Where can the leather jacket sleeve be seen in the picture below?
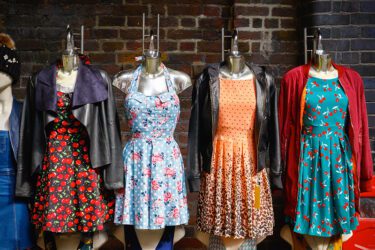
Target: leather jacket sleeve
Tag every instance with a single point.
(114, 172)
(274, 139)
(28, 132)
(194, 161)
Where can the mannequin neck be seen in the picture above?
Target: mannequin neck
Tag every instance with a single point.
(236, 64)
(69, 63)
(6, 100)
(152, 66)
(6, 96)
(322, 62)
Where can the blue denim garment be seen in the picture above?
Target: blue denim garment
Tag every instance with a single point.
(15, 232)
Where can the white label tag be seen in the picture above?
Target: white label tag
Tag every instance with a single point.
(138, 58)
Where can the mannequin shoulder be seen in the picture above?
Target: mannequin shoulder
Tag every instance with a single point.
(123, 79)
(180, 80)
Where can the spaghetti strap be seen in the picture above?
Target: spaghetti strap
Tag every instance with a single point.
(167, 78)
(134, 84)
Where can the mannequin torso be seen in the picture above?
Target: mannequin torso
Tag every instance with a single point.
(6, 100)
(66, 79)
(332, 73)
(152, 84)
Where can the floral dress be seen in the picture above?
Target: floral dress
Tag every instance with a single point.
(155, 192)
(70, 195)
(326, 202)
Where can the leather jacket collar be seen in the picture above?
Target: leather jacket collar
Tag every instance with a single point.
(89, 88)
(260, 78)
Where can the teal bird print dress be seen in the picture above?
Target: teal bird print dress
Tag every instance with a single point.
(326, 202)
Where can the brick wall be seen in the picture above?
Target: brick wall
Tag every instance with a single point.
(270, 34)
(348, 29)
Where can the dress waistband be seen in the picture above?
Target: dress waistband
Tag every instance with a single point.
(233, 133)
(152, 135)
(334, 130)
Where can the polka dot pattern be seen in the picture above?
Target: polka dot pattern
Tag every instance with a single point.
(227, 201)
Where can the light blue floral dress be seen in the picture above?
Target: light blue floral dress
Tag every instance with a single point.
(326, 200)
(155, 192)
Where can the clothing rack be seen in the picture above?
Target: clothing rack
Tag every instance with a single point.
(223, 50)
(150, 33)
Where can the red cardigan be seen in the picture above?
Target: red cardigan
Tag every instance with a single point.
(291, 105)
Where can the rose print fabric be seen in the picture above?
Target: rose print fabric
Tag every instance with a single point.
(155, 192)
(229, 204)
(326, 187)
(70, 195)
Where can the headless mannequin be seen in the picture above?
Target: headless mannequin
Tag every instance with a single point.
(236, 69)
(66, 78)
(321, 67)
(152, 82)
(6, 100)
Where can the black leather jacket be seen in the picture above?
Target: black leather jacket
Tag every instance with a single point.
(93, 105)
(204, 117)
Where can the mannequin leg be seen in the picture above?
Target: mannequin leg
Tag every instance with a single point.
(260, 239)
(286, 234)
(232, 243)
(149, 239)
(203, 237)
(179, 233)
(118, 232)
(346, 237)
(49, 241)
(317, 243)
(86, 242)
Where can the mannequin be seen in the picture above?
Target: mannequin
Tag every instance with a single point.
(66, 77)
(152, 82)
(321, 68)
(13, 212)
(235, 69)
(6, 100)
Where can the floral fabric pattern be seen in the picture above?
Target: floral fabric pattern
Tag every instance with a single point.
(155, 192)
(70, 194)
(326, 202)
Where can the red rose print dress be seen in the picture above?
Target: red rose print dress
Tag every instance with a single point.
(70, 195)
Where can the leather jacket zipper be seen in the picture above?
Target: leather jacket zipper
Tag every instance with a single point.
(212, 105)
(261, 124)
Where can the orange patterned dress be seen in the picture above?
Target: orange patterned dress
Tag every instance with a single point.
(235, 200)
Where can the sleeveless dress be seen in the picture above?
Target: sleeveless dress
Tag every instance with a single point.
(155, 192)
(15, 232)
(235, 200)
(326, 202)
(70, 194)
